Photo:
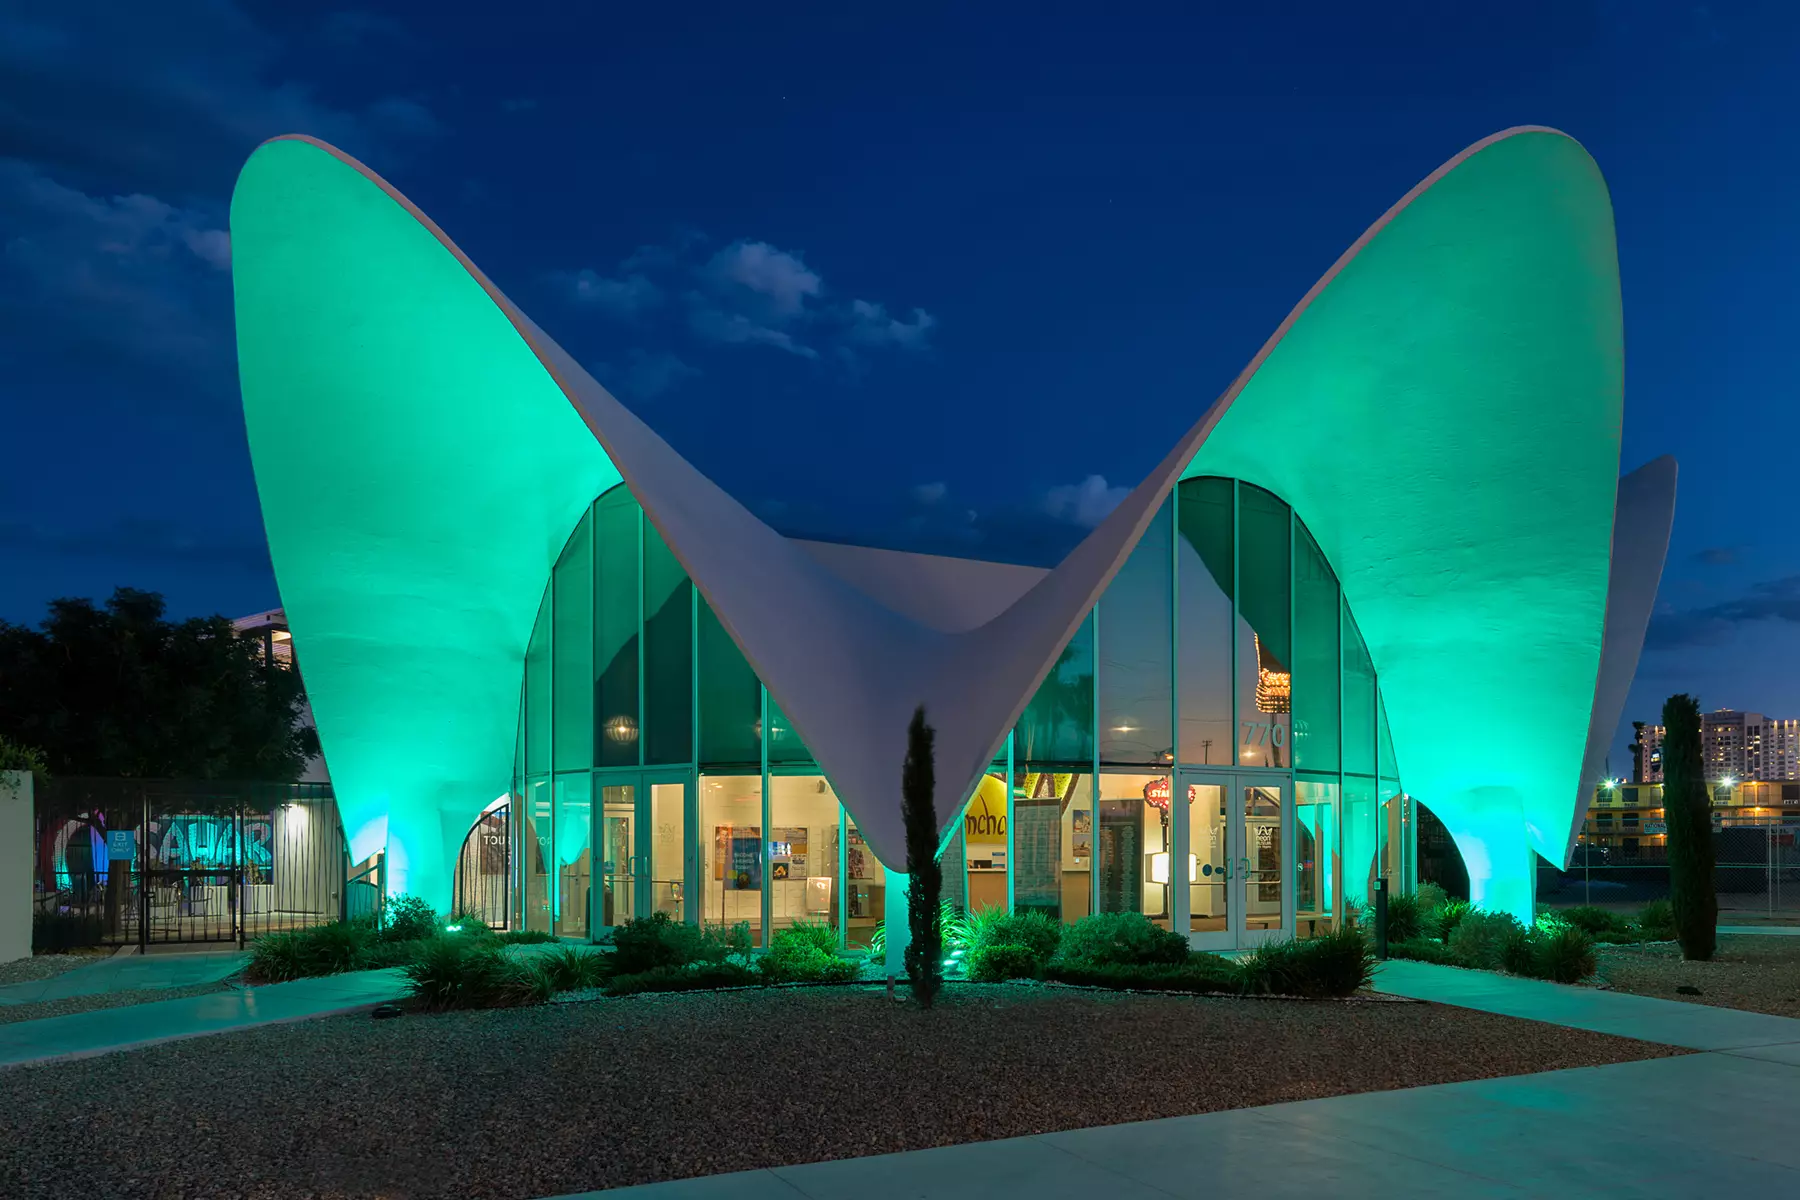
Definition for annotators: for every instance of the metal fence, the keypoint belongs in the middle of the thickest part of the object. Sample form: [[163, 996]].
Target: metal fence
[[120, 861], [484, 870], [1757, 872]]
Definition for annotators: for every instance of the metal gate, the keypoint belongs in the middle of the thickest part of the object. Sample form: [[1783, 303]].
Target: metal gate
[[484, 870], [119, 861]]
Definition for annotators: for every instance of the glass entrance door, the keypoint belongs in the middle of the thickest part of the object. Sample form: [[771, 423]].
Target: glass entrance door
[[1240, 829], [643, 843]]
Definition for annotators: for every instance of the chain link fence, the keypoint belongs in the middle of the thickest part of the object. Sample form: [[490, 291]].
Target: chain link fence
[[1757, 872]]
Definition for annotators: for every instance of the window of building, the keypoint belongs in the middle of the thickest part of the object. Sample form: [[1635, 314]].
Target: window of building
[[668, 654], [1135, 646], [1051, 827], [1204, 581], [1316, 705], [572, 648], [1315, 830], [731, 875], [1264, 645], [1132, 830], [615, 620], [1058, 724], [803, 851]]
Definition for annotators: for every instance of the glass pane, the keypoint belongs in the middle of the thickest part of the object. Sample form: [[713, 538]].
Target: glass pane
[[572, 650], [1264, 686], [1131, 853], [731, 838], [668, 841], [865, 889], [537, 694], [1058, 724], [785, 745], [574, 811], [1053, 844], [1209, 845], [1263, 862], [1362, 839], [1315, 834], [1137, 641], [616, 520], [618, 850], [730, 698], [1204, 594], [953, 861], [984, 841], [803, 851], [1388, 769], [1359, 702], [1315, 659], [668, 654], [534, 835]]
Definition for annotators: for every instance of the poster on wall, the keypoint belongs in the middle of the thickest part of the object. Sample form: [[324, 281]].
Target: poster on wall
[[1081, 834], [737, 856], [787, 852]]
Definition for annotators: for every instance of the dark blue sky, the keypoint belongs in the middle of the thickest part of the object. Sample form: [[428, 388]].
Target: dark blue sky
[[958, 272]]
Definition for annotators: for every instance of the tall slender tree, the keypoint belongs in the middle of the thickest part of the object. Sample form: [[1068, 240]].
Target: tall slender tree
[[924, 875], [1689, 817]]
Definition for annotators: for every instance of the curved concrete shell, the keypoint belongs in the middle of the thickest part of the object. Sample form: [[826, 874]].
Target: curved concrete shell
[[1443, 410]]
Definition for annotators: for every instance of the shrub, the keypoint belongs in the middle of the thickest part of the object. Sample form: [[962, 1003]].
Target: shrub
[[276, 958], [453, 972], [1406, 918], [1203, 974], [1338, 963], [1657, 920], [1592, 921], [571, 969], [1431, 897], [998, 963], [681, 979], [658, 940], [1038, 932], [1564, 955], [1516, 949], [54, 932], [1449, 915], [806, 952], [1425, 950], [526, 937], [1123, 939], [1480, 938], [407, 918]]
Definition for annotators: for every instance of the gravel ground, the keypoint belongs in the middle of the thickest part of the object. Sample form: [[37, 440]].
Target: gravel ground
[[565, 1098], [1754, 972], [46, 966], [75, 1004]]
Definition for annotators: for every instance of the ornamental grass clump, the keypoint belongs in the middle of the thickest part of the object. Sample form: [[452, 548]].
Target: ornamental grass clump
[[1481, 938], [806, 952], [1339, 963], [451, 972]]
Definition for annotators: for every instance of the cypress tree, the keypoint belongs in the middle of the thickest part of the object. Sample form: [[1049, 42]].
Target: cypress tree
[[1689, 817], [924, 876]]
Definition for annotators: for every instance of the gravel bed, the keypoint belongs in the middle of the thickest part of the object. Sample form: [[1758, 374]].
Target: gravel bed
[[76, 1004], [570, 1097], [1754, 972], [45, 966]]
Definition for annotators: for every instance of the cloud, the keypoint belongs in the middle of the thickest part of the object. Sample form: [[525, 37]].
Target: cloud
[[169, 98], [1086, 503], [872, 326], [1772, 600], [621, 296], [132, 272], [717, 325], [781, 278], [749, 293], [931, 493], [647, 375], [354, 29], [518, 104], [1717, 556]]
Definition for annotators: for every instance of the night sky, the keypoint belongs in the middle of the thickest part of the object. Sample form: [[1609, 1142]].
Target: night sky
[[959, 273]]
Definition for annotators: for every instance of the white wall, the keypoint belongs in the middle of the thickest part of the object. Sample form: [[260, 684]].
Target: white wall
[[15, 865]]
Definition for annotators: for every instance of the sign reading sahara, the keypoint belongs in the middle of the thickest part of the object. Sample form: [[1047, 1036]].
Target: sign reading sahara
[[121, 845]]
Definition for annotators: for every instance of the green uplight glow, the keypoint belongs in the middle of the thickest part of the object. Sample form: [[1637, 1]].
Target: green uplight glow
[[1445, 418], [419, 470]]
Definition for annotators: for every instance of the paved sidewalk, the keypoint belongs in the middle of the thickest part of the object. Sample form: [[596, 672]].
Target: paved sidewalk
[[1694, 1026], [1707, 1124], [82, 1035], [127, 973]]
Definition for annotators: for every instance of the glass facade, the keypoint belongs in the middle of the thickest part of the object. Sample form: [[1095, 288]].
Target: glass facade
[[1208, 749]]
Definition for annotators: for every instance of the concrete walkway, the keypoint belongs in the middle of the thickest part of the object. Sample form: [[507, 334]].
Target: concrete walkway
[[1708, 1124], [128, 973], [82, 1035]]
